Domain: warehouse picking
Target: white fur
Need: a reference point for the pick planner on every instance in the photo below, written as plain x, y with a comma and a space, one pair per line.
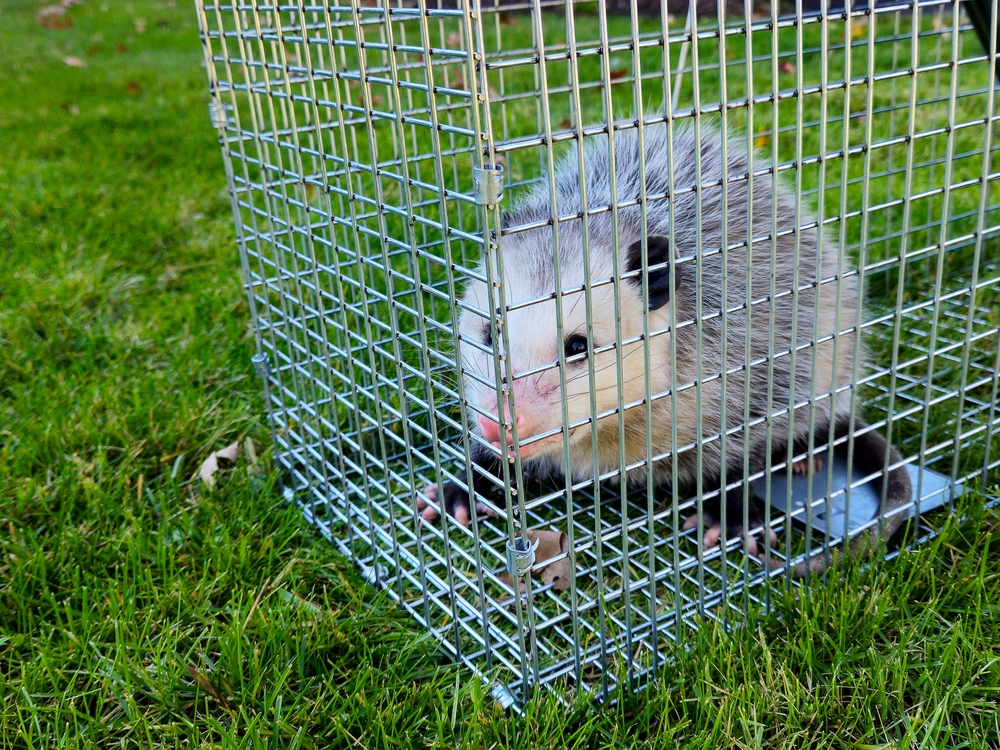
528, 273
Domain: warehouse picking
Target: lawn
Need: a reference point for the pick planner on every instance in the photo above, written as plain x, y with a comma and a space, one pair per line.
140, 609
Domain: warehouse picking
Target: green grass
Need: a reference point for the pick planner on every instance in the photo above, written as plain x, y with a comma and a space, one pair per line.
139, 609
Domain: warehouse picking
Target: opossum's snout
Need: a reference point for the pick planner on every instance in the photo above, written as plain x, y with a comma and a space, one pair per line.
531, 412
490, 428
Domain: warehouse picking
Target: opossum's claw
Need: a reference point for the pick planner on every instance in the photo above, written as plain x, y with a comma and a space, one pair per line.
461, 514
712, 535
712, 530
454, 499
427, 511
802, 467
690, 522
482, 509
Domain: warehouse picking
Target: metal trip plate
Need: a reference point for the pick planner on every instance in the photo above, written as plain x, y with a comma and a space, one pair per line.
864, 501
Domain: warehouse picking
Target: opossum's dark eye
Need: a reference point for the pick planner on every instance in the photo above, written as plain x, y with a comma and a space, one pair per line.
488, 336
575, 345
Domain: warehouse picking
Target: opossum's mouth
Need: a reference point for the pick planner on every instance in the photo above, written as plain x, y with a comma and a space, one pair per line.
536, 448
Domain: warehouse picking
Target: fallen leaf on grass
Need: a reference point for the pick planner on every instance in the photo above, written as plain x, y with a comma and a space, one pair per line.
54, 17
210, 466
119, 48
786, 67
75, 62
133, 87
550, 544
205, 685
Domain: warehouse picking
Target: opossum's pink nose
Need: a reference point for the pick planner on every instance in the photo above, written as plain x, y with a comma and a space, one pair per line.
491, 429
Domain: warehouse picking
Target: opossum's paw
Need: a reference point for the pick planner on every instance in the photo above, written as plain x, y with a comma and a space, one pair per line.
713, 532
802, 467
425, 508
454, 499
712, 529
750, 542
482, 509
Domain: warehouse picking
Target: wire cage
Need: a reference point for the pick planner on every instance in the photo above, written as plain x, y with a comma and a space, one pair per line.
376, 153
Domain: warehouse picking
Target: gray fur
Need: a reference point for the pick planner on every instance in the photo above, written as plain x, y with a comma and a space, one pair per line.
531, 253
792, 317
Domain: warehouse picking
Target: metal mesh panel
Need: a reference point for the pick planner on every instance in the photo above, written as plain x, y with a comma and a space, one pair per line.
350, 134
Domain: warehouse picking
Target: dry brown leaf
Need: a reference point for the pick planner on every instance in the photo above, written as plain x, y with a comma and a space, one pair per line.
75, 62
551, 544
617, 73
120, 48
133, 87
205, 685
54, 17
210, 466
377, 99
786, 67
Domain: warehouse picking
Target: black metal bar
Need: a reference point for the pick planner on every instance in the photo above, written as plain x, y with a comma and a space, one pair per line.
980, 12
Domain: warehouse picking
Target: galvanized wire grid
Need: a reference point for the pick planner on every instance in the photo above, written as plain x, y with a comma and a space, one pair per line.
350, 134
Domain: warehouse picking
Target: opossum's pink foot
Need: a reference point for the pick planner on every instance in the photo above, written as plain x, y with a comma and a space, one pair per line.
427, 511
713, 533
482, 509
753, 549
430, 510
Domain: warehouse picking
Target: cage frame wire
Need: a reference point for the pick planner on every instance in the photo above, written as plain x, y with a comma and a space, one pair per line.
337, 323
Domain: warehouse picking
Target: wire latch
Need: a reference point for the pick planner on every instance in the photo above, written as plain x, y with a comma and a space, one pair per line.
217, 112
488, 185
262, 364
520, 556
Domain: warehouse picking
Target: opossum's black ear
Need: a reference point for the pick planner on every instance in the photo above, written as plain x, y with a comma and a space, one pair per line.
658, 253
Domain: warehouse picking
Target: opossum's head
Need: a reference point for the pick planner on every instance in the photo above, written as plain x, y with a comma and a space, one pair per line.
531, 370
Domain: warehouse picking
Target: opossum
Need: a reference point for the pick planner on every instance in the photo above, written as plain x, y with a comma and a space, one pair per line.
531, 331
